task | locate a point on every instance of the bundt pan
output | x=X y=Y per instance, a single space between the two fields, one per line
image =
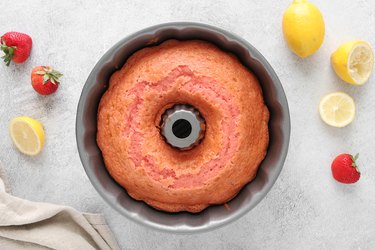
x=213 y=216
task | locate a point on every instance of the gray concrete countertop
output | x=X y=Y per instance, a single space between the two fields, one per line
x=306 y=209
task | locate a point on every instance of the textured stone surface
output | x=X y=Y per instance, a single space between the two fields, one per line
x=305 y=209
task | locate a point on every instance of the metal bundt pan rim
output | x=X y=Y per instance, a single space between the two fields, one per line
x=214 y=216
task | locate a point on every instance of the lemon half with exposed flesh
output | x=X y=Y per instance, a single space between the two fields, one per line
x=27 y=134
x=353 y=62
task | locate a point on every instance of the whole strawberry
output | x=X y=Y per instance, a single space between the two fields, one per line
x=345 y=169
x=45 y=80
x=16 y=46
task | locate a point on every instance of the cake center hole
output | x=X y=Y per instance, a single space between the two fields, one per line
x=181 y=128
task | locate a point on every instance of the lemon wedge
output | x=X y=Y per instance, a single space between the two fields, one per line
x=303 y=28
x=353 y=62
x=337 y=109
x=27 y=134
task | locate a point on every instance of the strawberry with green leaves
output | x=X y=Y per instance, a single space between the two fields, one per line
x=45 y=80
x=345 y=169
x=16 y=47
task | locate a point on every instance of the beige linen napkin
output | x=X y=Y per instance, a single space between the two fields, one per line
x=34 y=225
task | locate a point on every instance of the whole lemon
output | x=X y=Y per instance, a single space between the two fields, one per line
x=303 y=28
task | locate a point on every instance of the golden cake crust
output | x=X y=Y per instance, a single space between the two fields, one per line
x=227 y=95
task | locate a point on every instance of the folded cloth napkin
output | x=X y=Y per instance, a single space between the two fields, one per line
x=34 y=225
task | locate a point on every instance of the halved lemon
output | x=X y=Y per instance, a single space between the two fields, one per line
x=337 y=109
x=353 y=62
x=27 y=134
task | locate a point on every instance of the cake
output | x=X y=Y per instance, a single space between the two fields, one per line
x=228 y=97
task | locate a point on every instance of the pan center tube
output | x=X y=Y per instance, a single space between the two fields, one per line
x=182 y=126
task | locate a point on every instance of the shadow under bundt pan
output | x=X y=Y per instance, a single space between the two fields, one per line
x=213 y=216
